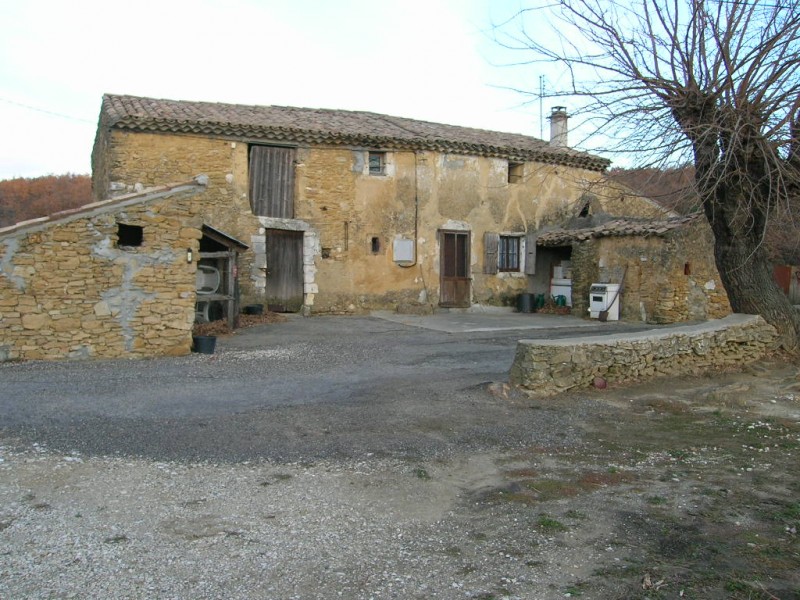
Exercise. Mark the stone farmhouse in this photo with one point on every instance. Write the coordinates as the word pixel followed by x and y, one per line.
pixel 354 211
pixel 330 211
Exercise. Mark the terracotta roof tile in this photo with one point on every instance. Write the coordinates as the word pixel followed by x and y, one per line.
pixel 618 227
pixel 325 126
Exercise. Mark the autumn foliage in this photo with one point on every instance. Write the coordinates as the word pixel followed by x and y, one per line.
pixel 672 188
pixel 27 198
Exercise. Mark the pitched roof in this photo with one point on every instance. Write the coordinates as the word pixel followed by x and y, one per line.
pixel 191 187
pixel 324 126
pixel 615 228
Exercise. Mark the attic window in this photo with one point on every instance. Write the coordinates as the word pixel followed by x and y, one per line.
pixel 377 163
pixel 130 236
pixel 515 172
pixel 585 210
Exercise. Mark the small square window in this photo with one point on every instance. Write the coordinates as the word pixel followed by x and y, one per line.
pixel 515 172
pixel 508 253
pixel 377 163
pixel 130 236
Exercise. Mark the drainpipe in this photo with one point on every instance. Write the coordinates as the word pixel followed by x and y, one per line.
pixel 416 215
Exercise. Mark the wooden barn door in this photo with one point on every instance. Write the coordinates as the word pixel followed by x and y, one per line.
pixel 272 181
pixel 284 270
pixel 454 280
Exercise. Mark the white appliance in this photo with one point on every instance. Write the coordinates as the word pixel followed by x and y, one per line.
pixel 207 279
pixel 604 296
pixel 561 287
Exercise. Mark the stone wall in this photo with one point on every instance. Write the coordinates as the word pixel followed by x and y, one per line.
pixel 69 289
pixel 352 218
pixel 669 278
pixel 547 367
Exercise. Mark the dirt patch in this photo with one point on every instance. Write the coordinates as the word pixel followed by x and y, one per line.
pixel 680 488
pixel 693 483
pixel 220 327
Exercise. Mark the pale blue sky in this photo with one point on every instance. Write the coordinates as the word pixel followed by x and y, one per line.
pixel 424 59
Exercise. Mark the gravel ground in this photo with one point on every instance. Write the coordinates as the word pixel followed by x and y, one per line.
pixel 355 458
pixel 77 527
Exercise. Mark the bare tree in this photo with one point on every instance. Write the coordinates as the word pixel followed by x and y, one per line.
pixel 710 82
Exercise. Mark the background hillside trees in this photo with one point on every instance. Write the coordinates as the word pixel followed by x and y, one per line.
pixel 22 199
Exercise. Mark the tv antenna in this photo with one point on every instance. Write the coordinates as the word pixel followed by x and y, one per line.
pixel 541 107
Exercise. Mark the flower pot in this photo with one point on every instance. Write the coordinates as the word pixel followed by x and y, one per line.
pixel 204 344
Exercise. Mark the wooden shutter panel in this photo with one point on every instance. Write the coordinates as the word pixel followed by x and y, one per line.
pixel 491 241
pixel 530 253
pixel 272 181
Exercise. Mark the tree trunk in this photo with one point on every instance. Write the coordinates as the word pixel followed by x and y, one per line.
pixel 747 276
pixel 737 200
pixel 739 249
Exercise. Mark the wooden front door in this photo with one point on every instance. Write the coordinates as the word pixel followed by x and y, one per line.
pixel 284 270
pixel 454 284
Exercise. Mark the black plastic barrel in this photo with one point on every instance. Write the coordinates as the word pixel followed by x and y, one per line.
pixel 525 303
pixel 253 309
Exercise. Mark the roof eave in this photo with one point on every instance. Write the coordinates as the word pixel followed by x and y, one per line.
pixel 310 136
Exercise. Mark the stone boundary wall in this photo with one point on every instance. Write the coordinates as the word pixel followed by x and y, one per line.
pixel 548 367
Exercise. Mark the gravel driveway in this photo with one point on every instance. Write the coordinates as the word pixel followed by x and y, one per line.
pixel 305 389
pixel 353 458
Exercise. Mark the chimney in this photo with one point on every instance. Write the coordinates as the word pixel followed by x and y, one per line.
pixel 558 126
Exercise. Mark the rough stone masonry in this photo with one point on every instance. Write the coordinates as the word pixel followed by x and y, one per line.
pixel 547 367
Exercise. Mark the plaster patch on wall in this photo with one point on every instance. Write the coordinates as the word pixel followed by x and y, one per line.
pixel 452 163
pixel 123 302
pixel 258 270
pixel 455 225
pixel 710 285
pixel 359 161
pixel 105 249
pixel 311 250
pixel 81 352
pixel 498 166
pixel 7 264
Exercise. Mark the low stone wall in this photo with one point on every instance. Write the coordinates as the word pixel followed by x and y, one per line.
pixel 547 367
